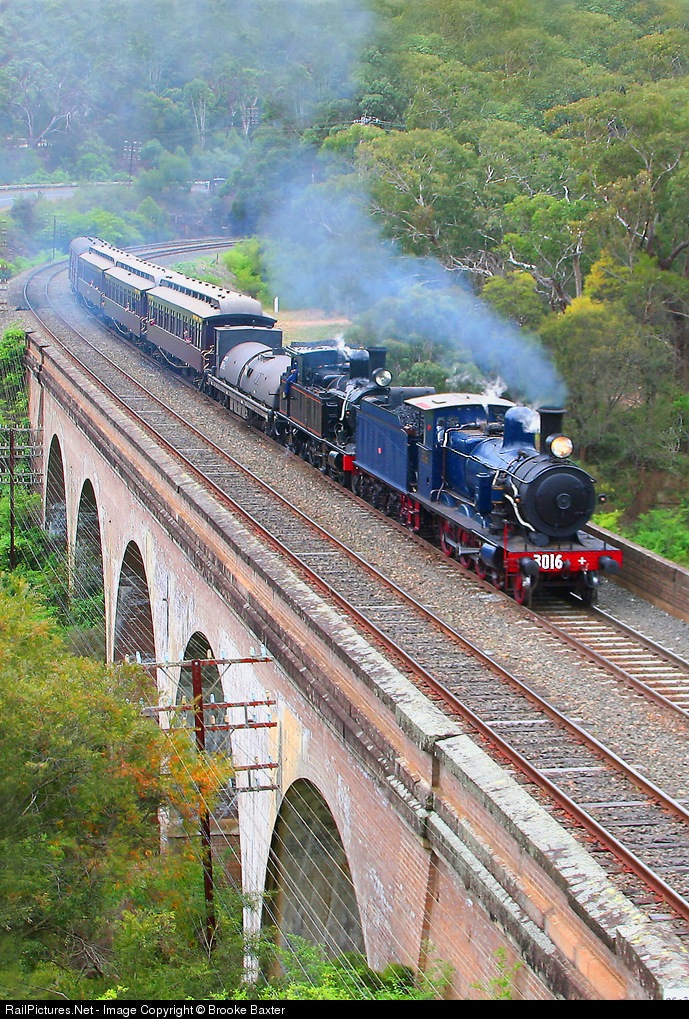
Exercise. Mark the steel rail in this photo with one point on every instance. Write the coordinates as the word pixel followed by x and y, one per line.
pixel 599 658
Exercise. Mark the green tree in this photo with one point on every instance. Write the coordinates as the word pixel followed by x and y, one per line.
pixel 507 155
pixel 172 174
pixel 446 93
pixel 94 160
pixel 245 262
pixel 612 366
pixel 13 399
pixel 424 188
pixel 200 97
pixel 152 217
pixel 307 974
pixel 656 297
pixel 630 144
pixel 100 222
pixel 515 296
pixel 44 97
pixel 82 781
pixel 664 531
pixel 547 236
pixel 424 373
pixel 164 118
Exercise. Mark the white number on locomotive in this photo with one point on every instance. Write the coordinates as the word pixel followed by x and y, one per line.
pixel 549 560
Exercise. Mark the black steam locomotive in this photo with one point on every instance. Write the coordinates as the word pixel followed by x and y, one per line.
pixel 464 468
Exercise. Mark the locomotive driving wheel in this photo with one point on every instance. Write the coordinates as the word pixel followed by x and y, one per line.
pixel 380 500
pixel 394 506
pixel 465 541
pixel 497 579
pixel 447 537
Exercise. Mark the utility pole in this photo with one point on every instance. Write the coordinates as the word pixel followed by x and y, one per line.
pixel 205 819
pixel 132 152
pixel 16 445
pixel 4 267
pixel 247 720
pixel 13 558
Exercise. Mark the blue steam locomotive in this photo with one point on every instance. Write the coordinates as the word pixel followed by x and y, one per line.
pixel 491 481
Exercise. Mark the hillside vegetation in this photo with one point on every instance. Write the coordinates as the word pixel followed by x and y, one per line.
pixel 497 189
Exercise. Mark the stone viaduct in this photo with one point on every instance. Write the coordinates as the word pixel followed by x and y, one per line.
pixel 379 826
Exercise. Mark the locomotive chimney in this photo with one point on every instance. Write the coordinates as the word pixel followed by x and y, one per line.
pixel 551 421
pixel 358 364
pixel 376 359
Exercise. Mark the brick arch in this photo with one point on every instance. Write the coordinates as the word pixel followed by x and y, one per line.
pixel 87 581
pixel 310 892
pixel 56 496
pixel 217 741
pixel 134 635
pixel 199 648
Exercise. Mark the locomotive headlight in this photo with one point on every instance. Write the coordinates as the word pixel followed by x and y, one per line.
pixel 559 445
pixel 383 377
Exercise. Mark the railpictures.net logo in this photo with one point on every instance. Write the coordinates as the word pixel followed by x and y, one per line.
pixel 117 1011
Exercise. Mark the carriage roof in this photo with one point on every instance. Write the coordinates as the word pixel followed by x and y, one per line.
pixel 447 401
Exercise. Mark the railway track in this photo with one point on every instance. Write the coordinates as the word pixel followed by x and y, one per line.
pixel 625 815
pixel 647 667
pixel 172 248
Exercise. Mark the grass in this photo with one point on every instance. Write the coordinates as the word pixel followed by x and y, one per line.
pixel 309 326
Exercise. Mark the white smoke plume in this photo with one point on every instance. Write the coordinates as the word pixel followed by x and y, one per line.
pixel 326 251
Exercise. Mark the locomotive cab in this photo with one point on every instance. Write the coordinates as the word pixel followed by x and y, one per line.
pixel 325 387
pixel 453 420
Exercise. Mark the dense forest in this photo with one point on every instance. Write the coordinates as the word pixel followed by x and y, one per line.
pixel 496 189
